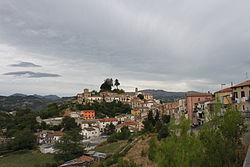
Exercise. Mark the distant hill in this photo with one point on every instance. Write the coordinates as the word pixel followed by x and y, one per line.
pixel 35 103
pixel 165 95
pixel 39 96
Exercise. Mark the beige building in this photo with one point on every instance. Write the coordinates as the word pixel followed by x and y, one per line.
pixel 241 94
pixel 224 96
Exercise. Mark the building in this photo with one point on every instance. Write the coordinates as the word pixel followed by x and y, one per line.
pixel 88 123
pixel 191 100
pixel 104 122
pixel 224 96
pixel 171 109
pixel 88 114
pixel 202 111
pixel 48 136
pixel 132 126
pixel 90 133
pixel 82 161
pixel 240 97
pixel 47 148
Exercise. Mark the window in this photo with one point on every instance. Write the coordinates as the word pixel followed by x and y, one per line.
pixel 243 107
pixel 199 99
pixel 235 95
pixel 242 93
pixel 242 87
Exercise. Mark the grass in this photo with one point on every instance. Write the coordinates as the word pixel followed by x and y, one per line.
pixel 26 159
pixel 111 147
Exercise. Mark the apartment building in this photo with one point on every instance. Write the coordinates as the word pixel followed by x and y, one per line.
pixel 241 94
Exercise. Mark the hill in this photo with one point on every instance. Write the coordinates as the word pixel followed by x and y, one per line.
pixel 165 95
pixel 35 103
pixel 35 95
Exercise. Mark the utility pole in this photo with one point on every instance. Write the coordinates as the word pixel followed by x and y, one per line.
pixel 221 85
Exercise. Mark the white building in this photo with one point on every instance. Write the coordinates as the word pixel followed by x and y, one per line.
pixel 88 123
pixel 104 122
pixel 89 133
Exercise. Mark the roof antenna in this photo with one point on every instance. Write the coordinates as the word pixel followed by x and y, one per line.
pixel 246 76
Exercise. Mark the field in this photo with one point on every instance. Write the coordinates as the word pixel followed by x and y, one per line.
pixel 26 159
pixel 112 147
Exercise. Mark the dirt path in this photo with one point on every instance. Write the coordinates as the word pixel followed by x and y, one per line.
pixel 135 153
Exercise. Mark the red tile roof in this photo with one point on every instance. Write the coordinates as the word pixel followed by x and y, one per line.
pixel 66 115
pixel 246 83
pixel 225 90
pixel 130 123
pixel 108 120
pixel 84 158
pixel 85 111
pixel 198 94
pixel 58 133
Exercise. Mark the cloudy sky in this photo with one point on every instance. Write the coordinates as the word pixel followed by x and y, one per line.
pixel 62 46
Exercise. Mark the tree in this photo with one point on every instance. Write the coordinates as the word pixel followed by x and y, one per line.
pixel 166 119
pixel 140 96
pixel 216 145
pixel 69 124
pixel 107 85
pixel 69 146
pixel 117 83
pixel 24 139
pixel 109 129
pixel 163 133
pixel 181 149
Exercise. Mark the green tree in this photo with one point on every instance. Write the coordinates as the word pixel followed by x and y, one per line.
pixel 69 146
pixel 181 149
pixel 23 139
pixel 166 119
pixel 69 124
pixel 117 83
pixel 140 96
pixel 163 133
pixel 109 129
pixel 107 85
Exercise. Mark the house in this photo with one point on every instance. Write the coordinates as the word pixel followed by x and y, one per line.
pixel 182 109
pixel 48 136
pixel 171 108
pixel 88 114
pixel 98 156
pixel 125 117
pixel 88 123
pixel 106 121
pixel 191 100
pixel 132 126
pixel 135 112
pixel 82 161
pixel 91 132
pixel 202 110
pixel 47 148
pixel 53 121
pixel 224 96
pixel 241 96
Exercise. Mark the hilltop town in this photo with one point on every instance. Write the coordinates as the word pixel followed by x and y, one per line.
pixel 96 119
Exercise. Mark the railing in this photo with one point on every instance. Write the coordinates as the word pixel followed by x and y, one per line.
pixel 247 159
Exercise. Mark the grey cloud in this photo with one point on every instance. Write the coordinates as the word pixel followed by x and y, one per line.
pixel 163 40
pixel 30 74
pixel 24 64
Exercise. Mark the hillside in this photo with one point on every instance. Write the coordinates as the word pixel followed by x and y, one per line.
pixel 162 94
pixel 35 103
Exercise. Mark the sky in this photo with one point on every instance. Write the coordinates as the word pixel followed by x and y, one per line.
pixel 63 46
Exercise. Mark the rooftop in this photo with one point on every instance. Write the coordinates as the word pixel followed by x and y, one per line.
pixel 198 94
pixel 108 120
pixel 224 90
pixel 246 83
